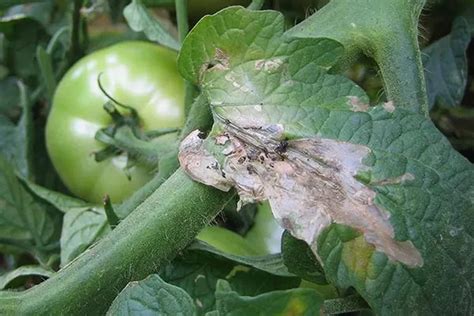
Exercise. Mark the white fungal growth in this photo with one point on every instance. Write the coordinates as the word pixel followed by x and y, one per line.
pixel 389 106
pixel 357 105
pixel 268 65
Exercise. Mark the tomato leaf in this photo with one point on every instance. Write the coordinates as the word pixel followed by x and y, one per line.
pixel 300 260
pixel 46 70
pixel 83 224
pixel 152 296
pixel 81 228
pixel 290 302
pixel 377 192
pixel 16 144
pixel 23 271
pixel 9 94
pixel 62 202
pixel 446 66
pixel 7 3
pixel 27 224
pixel 468 15
pixel 23 33
pixel 272 264
pixel 254 282
pixel 140 20
pixel 197 272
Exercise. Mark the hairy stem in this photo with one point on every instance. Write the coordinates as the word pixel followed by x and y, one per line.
pixel 399 59
pixel 183 29
pixel 148 238
pixel 182 18
pixel 76 50
pixel 385 30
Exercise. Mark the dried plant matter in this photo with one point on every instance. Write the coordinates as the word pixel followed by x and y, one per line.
pixel 309 183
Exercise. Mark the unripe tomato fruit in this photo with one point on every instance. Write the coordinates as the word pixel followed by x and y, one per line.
pixel 138 74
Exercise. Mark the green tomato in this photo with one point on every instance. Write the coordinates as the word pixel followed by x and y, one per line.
pixel 227 241
pixel 139 74
pixel 262 239
pixel 265 234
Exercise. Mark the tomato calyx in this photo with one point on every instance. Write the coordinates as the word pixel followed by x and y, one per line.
pixel 125 135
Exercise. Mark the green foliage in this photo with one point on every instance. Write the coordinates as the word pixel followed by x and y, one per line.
pixel 456 122
pixel 446 66
pixel 152 296
pixel 82 224
pixel 300 260
pixel 46 68
pixel 16 142
pixel 147 225
pixel 24 271
pixel 81 228
pixel 10 94
pixel 8 3
pixel 64 203
pixel 289 302
pixel 197 275
pixel 139 19
pixel 198 272
pixel 27 224
pixel 22 33
pixel 34 45
pixel 272 264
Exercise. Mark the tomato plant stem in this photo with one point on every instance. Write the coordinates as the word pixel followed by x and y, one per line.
pixel 256 5
pixel 384 30
pixel 183 29
pixel 76 50
pixel 182 18
pixel 399 59
pixel 147 239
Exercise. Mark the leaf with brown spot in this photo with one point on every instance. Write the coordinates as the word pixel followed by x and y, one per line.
pixel 380 184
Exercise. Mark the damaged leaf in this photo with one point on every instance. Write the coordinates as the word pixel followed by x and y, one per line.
pixel 313 176
pixel 377 192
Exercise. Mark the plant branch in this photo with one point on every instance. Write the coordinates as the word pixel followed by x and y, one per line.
pixel 182 18
pixel 148 238
pixel 76 51
pixel 183 29
pixel 256 5
pixel 385 30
